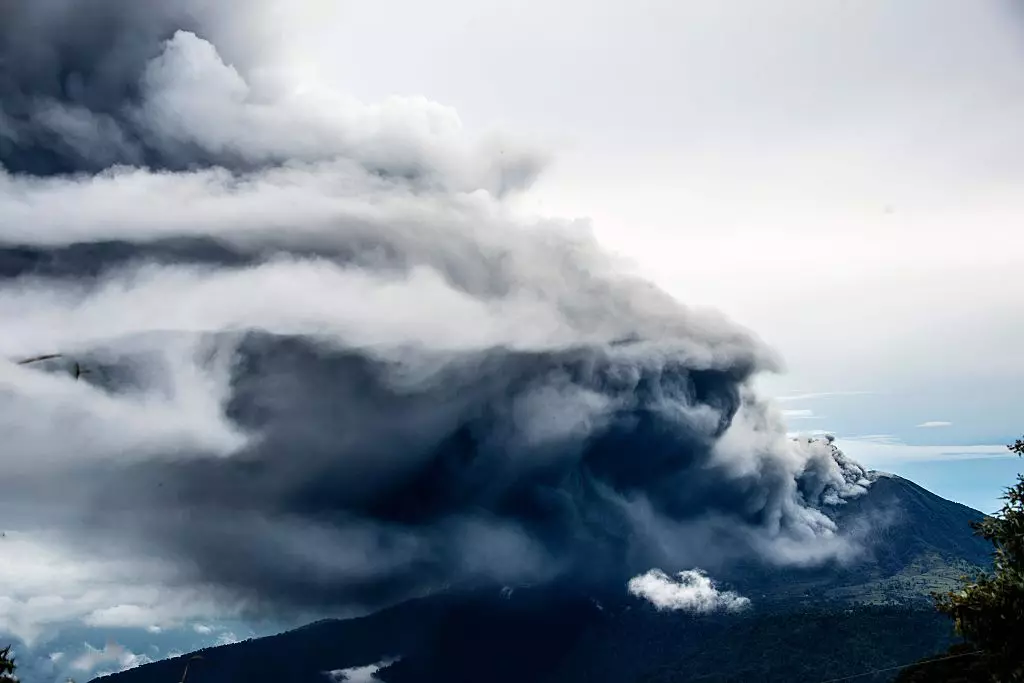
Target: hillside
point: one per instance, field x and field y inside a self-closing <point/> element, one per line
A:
<point x="564" y="641"/>
<point x="916" y="543"/>
<point x="927" y="547"/>
<point x="803" y="626"/>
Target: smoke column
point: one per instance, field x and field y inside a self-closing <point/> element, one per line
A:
<point x="327" y="365"/>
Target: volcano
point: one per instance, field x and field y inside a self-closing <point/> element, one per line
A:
<point x="802" y="624"/>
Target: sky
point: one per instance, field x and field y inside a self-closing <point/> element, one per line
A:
<point x="837" y="177"/>
<point x="840" y="177"/>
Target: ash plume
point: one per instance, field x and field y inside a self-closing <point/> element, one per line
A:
<point x="329" y="365"/>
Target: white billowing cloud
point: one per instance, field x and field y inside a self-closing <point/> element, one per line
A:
<point x="296" y="297"/>
<point x="359" y="674"/>
<point x="688" y="591"/>
<point x="931" y="424"/>
<point x="191" y="97"/>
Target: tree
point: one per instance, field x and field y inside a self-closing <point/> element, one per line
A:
<point x="988" y="610"/>
<point x="7" y="665"/>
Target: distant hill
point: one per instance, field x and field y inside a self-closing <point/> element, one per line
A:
<point x="803" y="625"/>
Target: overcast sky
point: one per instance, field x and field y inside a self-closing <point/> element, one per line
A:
<point x="857" y="162"/>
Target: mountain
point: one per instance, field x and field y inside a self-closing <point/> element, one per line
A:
<point x="803" y="625"/>
<point x="916" y="542"/>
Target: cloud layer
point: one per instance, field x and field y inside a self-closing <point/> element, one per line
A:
<point x="329" y="367"/>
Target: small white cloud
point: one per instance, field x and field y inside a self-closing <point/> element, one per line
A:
<point x="809" y="396"/>
<point x="359" y="674"/>
<point x="113" y="653"/>
<point x="935" y="423"/>
<point x="202" y="629"/>
<point x="227" y="638"/>
<point x="885" y="439"/>
<point x="690" y="591"/>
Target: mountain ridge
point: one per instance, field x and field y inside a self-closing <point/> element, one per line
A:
<point x="556" y="634"/>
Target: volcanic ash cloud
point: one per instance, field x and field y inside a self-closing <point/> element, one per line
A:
<point x="328" y="364"/>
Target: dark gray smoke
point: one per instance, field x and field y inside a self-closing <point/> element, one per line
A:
<point x="89" y="85"/>
<point x="328" y="364"/>
<point x="70" y="77"/>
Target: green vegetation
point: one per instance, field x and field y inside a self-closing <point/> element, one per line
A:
<point x="988" y="609"/>
<point x="7" y="666"/>
<point x="804" y="645"/>
<point x="926" y="575"/>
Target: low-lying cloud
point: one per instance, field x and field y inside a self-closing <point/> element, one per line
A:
<point x="359" y="674"/>
<point x="688" y="591"/>
<point x="328" y="365"/>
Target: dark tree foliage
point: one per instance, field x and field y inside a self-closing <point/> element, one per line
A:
<point x="961" y="664"/>
<point x="7" y="666"/>
<point x="988" y="610"/>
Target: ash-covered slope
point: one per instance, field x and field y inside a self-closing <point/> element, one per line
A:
<point x="801" y="625"/>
